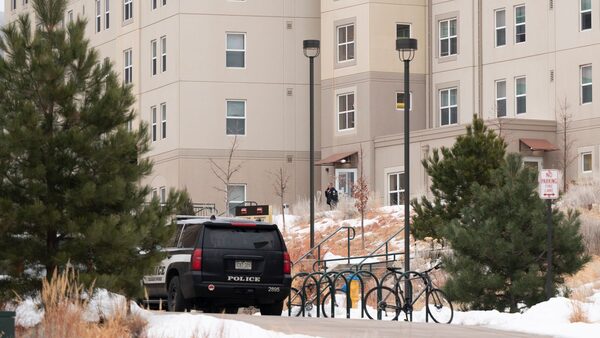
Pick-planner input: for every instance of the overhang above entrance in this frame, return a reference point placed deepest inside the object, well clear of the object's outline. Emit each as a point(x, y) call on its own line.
point(536, 144)
point(331, 159)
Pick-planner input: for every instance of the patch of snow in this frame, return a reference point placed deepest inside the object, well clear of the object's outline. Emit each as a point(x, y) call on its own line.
point(29, 313)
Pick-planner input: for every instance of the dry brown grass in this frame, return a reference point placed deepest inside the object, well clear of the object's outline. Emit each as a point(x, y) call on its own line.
point(583, 283)
point(578, 315)
point(64, 301)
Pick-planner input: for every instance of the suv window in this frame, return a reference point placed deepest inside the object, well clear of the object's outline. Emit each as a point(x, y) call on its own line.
point(241, 238)
point(189, 235)
point(175, 238)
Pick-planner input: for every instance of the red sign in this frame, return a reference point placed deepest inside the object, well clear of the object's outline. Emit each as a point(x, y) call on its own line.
point(548, 183)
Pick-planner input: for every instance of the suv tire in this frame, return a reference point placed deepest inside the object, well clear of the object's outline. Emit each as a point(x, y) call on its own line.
point(271, 309)
point(175, 301)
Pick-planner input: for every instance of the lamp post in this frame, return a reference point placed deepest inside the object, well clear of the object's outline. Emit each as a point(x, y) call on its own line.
point(406, 51)
point(311, 51)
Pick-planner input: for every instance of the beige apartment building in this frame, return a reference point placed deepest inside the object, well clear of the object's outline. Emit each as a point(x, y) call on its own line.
point(206, 73)
point(519, 65)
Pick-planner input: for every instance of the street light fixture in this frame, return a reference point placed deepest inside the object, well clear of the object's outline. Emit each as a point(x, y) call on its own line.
point(406, 51)
point(311, 50)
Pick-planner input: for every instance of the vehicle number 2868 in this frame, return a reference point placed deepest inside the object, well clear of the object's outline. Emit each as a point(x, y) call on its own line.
point(274, 289)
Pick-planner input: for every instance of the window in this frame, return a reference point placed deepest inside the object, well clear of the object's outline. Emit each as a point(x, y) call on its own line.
point(400, 101)
point(13, 4)
point(127, 10)
point(344, 180)
point(98, 16)
point(163, 54)
point(586, 14)
point(520, 24)
point(163, 194)
point(154, 4)
point(402, 31)
point(106, 14)
point(448, 38)
point(154, 193)
point(164, 2)
point(154, 63)
point(345, 111)
point(154, 125)
point(521, 95)
point(448, 106)
point(163, 120)
point(500, 27)
point(70, 16)
point(345, 38)
point(128, 56)
point(586, 84)
point(586, 162)
point(501, 98)
point(25, 2)
point(396, 188)
point(236, 117)
point(236, 195)
point(235, 55)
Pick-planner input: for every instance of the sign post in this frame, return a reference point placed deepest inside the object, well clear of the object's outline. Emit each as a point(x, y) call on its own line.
point(548, 190)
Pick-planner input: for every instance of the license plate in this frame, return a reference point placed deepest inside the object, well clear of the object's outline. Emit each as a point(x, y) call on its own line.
point(243, 265)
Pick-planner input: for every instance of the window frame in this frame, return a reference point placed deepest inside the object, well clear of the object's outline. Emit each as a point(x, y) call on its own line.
point(106, 14)
point(450, 37)
point(524, 24)
point(98, 17)
point(229, 202)
point(127, 10)
point(583, 156)
point(163, 53)
point(154, 124)
point(153, 4)
point(499, 28)
point(347, 43)
point(583, 12)
point(153, 57)
point(517, 95)
point(162, 194)
point(163, 120)
point(227, 117)
point(410, 96)
point(13, 5)
point(346, 112)
point(128, 66)
point(344, 171)
point(243, 51)
point(449, 106)
point(500, 98)
point(581, 84)
point(401, 191)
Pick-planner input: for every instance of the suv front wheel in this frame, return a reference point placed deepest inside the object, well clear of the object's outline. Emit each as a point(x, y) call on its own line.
point(271, 309)
point(175, 300)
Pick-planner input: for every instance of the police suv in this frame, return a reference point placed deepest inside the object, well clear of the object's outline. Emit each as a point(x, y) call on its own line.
point(221, 264)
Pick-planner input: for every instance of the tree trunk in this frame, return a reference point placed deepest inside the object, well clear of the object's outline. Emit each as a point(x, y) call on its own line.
point(283, 214)
point(362, 227)
point(51, 249)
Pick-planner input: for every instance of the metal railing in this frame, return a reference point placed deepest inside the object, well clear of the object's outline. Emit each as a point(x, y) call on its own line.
point(386, 243)
point(350, 236)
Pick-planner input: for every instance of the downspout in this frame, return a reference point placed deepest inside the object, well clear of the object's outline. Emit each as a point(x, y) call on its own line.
point(429, 70)
point(479, 60)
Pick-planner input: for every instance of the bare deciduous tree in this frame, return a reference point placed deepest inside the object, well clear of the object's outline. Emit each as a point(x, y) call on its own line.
point(361, 196)
point(564, 124)
point(280, 186)
point(224, 173)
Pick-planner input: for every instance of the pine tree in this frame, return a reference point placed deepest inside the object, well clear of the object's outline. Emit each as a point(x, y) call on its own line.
point(452, 171)
point(70, 169)
point(499, 243)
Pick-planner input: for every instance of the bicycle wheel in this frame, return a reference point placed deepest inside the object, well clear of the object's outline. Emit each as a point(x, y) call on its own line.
point(439, 307)
point(293, 304)
point(339, 302)
point(388, 305)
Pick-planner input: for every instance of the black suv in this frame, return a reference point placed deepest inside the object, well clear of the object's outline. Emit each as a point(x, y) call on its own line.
point(221, 264)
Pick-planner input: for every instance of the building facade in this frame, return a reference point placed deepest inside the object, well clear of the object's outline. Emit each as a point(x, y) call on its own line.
point(208, 73)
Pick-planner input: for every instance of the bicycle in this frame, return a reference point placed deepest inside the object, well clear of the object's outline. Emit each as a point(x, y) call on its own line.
point(301, 302)
point(437, 306)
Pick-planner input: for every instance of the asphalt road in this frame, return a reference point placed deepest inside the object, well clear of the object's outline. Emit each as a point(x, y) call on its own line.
point(356, 328)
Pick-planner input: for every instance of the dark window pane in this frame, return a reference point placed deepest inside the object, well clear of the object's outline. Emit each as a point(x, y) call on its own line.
point(351, 51)
point(521, 104)
point(453, 115)
point(350, 33)
point(402, 31)
point(235, 59)
point(402, 181)
point(393, 182)
point(394, 198)
point(342, 35)
point(586, 94)
point(501, 37)
point(236, 126)
point(342, 121)
point(445, 113)
point(501, 109)
point(342, 53)
point(453, 47)
point(444, 47)
point(351, 119)
point(586, 20)
point(189, 235)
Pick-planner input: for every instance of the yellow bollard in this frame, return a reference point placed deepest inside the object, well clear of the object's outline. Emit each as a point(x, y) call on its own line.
point(354, 294)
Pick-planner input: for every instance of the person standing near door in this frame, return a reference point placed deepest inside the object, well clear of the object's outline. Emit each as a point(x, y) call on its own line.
point(331, 195)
